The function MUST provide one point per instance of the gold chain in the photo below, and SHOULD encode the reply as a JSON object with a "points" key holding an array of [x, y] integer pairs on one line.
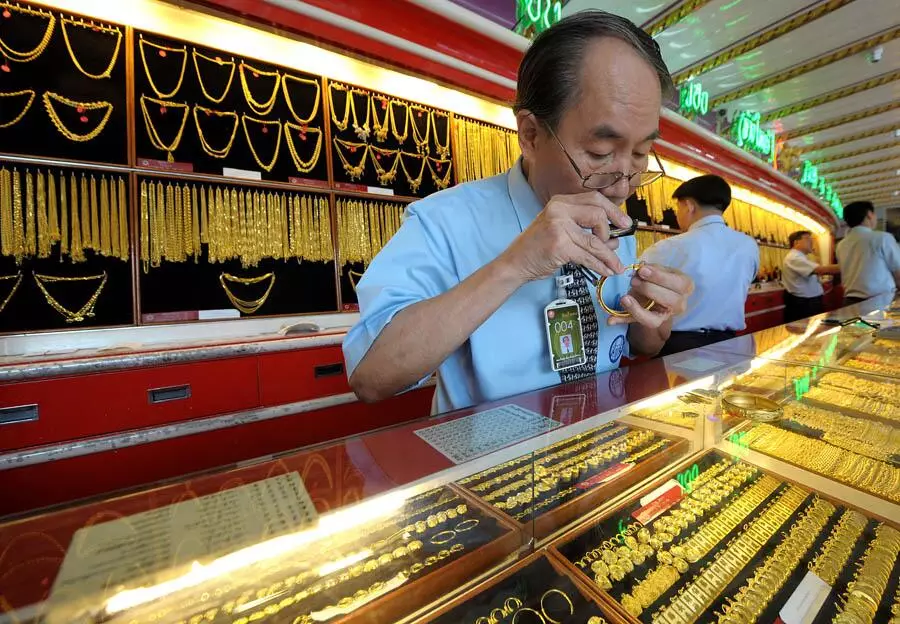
{"points": [[290, 103], [386, 177], [401, 138], [381, 128], [77, 247], [420, 140], [5, 278], [244, 305], [215, 153], [18, 218], [414, 183], [106, 73], [43, 221], [264, 123], [124, 238], [52, 208], [144, 194], [155, 139], [7, 239], [260, 108], [30, 93], [361, 131], [354, 171], [86, 311], [342, 124], [162, 51], [30, 233], [444, 182], [443, 150], [63, 217], [105, 219], [218, 61], [86, 241], [301, 165], [80, 107], [95, 217], [25, 57]]}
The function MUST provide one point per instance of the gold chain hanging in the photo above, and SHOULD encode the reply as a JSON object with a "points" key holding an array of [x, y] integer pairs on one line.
{"points": [[244, 305], [209, 149], [414, 182], [341, 125], [381, 127], [124, 237], [7, 241], [361, 131], [86, 311], [218, 61], [443, 150], [290, 104], [52, 209], [105, 220], [386, 177], [77, 247], [106, 73], [354, 171], [265, 124], [43, 220], [303, 166], [420, 139], [95, 217], [162, 51], [401, 137], [260, 108], [30, 93], [153, 135], [30, 229], [440, 182], [18, 218], [26, 57], [80, 107], [5, 278]]}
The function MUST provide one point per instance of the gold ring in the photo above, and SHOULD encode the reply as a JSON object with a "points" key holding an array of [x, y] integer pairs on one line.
{"points": [[466, 525], [516, 603], [529, 609], [434, 540], [564, 595], [617, 313]]}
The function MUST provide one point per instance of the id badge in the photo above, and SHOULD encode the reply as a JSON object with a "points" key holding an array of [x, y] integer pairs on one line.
{"points": [[563, 322]]}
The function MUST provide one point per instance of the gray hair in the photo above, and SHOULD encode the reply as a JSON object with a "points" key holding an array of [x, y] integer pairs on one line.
{"points": [[549, 75]]}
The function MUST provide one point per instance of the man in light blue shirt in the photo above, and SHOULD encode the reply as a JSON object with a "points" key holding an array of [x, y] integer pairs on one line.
{"points": [[463, 286], [869, 260], [721, 261]]}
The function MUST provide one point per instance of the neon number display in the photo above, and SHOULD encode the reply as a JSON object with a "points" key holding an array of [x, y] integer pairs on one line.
{"points": [[749, 135], [694, 100], [686, 478], [535, 16]]}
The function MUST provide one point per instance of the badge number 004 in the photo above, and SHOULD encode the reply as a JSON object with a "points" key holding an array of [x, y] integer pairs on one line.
{"points": [[563, 322]]}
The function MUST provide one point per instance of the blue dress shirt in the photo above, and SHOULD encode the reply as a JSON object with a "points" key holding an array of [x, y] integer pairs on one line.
{"points": [[443, 240], [868, 261]]}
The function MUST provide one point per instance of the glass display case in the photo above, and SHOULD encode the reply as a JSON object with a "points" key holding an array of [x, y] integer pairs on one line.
{"points": [[752, 480]]}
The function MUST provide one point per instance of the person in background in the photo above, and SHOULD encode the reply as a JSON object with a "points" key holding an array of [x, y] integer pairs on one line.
{"points": [[803, 293], [869, 260], [721, 261]]}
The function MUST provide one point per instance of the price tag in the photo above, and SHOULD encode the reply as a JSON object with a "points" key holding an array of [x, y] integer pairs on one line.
{"points": [[804, 604]]}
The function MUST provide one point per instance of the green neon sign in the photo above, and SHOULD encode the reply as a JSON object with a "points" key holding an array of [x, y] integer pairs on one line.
{"points": [[686, 479], [749, 135], [810, 178], [693, 99], [536, 16], [802, 384]]}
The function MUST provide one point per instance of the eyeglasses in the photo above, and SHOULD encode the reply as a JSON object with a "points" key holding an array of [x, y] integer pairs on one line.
{"points": [[597, 181]]}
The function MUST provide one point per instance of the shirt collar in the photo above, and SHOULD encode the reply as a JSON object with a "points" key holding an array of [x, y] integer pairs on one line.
{"points": [[524, 201], [861, 228], [706, 221]]}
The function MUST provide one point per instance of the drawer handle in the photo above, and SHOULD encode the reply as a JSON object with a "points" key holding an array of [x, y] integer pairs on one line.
{"points": [[18, 414], [172, 393], [329, 370]]}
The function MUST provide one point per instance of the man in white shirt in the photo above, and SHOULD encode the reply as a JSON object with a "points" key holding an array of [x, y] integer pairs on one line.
{"points": [[869, 260], [721, 261], [800, 275]]}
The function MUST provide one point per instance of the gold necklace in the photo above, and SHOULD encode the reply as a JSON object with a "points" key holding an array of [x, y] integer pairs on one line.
{"points": [[381, 128], [105, 240], [385, 177], [215, 153], [18, 217], [30, 93], [444, 182], [123, 220], [80, 107], [7, 237], [287, 97], [30, 234], [244, 305], [414, 183], [265, 124], [218, 61], [151, 129], [420, 140], [163, 51], [106, 73], [353, 282], [52, 208], [401, 138], [87, 310], [43, 220], [342, 124], [361, 131], [25, 57], [5, 278], [77, 247], [301, 165], [443, 150], [355, 172], [260, 108], [63, 217]]}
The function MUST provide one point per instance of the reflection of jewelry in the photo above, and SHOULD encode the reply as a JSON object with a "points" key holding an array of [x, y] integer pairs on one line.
{"points": [[354, 171], [30, 93], [79, 107], [162, 51], [260, 108], [87, 310], [215, 153], [99, 28], [342, 124], [414, 183], [443, 150], [518, 614], [617, 313], [218, 61], [386, 177], [151, 129], [244, 305], [25, 57], [290, 104], [5, 278], [420, 139], [400, 137], [444, 182], [265, 124], [380, 127], [301, 165], [565, 597]]}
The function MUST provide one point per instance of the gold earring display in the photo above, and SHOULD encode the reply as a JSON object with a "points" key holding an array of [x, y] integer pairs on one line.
{"points": [[5, 278], [290, 104], [12, 94], [162, 51], [265, 125], [106, 73], [153, 134], [386, 177], [414, 182], [420, 138], [303, 166], [80, 108], [86, 311], [209, 149], [244, 305], [616, 313], [217, 61], [26, 57], [260, 108], [443, 150], [354, 171], [440, 182]]}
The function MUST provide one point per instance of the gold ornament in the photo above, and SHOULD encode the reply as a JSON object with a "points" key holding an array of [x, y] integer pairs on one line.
{"points": [[155, 139], [30, 230], [162, 51], [401, 137], [287, 97], [7, 238], [25, 57], [244, 305], [341, 125], [439, 182], [354, 171], [265, 124], [420, 138], [381, 127], [30, 93], [443, 150], [106, 73], [215, 153], [218, 61], [86, 311], [80, 107], [5, 278], [361, 131], [414, 182], [386, 177], [260, 108], [301, 165]]}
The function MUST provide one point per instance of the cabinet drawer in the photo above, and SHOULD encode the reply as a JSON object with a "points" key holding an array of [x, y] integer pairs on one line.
{"points": [[55, 410], [301, 375]]}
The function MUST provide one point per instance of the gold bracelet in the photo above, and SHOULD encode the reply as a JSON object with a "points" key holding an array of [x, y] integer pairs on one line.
{"points": [[617, 313], [565, 597]]}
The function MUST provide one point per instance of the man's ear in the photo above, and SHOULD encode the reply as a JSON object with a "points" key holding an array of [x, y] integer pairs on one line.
{"points": [[527, 124]]}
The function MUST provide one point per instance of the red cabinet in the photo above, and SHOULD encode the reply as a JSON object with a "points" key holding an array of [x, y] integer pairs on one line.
{"points": [[300, 375]]}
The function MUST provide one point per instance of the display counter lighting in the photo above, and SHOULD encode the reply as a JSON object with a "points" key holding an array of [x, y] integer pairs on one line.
{"points": [[670, 395]]}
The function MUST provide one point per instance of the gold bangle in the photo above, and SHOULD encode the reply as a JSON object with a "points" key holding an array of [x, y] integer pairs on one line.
{"points": [[451, 535], [617, 313], [466, 525], [564, 595], [515, 619]]}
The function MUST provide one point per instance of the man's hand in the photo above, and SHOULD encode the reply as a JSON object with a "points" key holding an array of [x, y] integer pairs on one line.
{"points": [[557, 236], [669, 288]]}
